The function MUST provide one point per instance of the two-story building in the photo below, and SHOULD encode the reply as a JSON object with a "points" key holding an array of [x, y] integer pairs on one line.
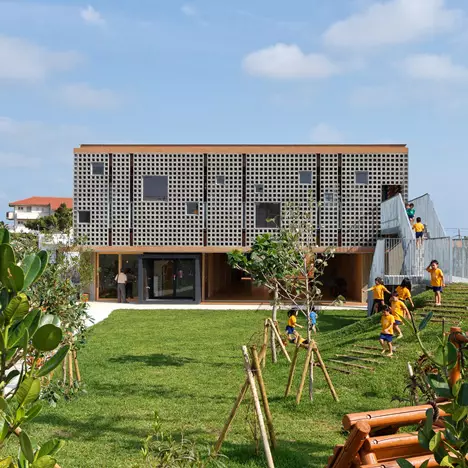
{"points": [[33, 208], [168, 214]]}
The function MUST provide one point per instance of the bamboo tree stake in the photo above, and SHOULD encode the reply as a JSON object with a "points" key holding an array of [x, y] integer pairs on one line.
{"points": [[280, 341], [265, 341], [325, 372], [305, 371], [64, 367], [70, 369], [77, 368], [226, 427], [235, 408], [258, 409], [261, 385], [292, 370], [311, 375]]}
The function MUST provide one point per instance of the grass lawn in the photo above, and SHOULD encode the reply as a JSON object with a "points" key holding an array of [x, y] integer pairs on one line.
{"points": [[188, 366]]}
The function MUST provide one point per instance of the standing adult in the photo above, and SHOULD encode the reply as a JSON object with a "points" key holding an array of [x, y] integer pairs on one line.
{"points": [[121, 279]]}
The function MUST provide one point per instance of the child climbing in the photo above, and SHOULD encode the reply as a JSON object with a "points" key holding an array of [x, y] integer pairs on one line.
{"points": [[410, 211], [437, 281], [419, 229], [379, 290], [313, 319], [399, 311], [404, 291], [292, 324], [386, 336]]}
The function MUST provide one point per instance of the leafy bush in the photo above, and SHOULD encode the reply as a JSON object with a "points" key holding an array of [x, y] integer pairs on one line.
{"points": [[28, 337]]}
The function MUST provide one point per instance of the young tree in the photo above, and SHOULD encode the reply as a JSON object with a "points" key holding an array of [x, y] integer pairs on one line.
{"points": [[60, 221], [288, 261]]}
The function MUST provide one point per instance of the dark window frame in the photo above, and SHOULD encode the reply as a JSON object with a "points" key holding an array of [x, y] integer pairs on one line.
{"points": [[88, 217], [259, 186], [275, 215], [223, 177], [308, 174], [155, 197], [100, 165], [356, 176], [197, 208]]}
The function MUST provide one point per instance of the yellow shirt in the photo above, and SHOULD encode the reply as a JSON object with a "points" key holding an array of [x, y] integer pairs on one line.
{"points": [[379, 290], [387, 322], [403, 293], [437, 277], [292, 321], [398, 310], [418, 227]]}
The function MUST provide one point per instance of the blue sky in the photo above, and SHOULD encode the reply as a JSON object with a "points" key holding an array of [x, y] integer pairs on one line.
{"points": [[262, 71]]}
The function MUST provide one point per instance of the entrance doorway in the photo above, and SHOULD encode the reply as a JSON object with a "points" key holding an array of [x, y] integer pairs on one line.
{"points": [[167, 278]]}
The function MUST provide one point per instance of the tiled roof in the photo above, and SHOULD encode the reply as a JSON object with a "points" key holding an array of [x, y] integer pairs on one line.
{"points": [[54, 202]]}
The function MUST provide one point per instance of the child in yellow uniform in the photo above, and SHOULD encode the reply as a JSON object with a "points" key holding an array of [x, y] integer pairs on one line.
{"points": [[386, 337], [419, 228], [379, 291], [437, 281], [404, 291], [292, 324], [399, 310]]}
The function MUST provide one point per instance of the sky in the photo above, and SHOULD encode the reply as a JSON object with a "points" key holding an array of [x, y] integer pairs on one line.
{"points": [[243, 71]]}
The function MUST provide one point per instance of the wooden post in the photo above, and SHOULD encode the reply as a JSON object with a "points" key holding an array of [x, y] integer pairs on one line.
{"points": [[265, 340], [325, 372], [292, 370], [311, 375], [258, 409], [261, 385], [352, 446], [77, 368], [70, 369], [280, 341], [226, 427], [64, 368], [304, 375]]}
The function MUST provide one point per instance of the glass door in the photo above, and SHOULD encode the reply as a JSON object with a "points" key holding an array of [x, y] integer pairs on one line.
{"points": [[168, 279]]}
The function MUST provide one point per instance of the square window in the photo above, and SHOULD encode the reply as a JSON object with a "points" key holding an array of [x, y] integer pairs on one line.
{"points": [[155, 188], [362, 177], [267, 215], [220, 180], [97, 168], [84, 216], [328, 197], [192, 208], [305, 177], [259, 188]]}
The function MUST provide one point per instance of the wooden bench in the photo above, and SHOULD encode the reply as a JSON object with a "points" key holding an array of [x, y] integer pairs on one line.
{"points": [[374, 440]]}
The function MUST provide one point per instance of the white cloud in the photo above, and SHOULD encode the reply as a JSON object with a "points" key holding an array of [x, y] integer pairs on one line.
{"points": [[325, 134], [393, 22], [25, 61], [283, 61], [92, 16], [83, 96], [434, 68], [189, 10]]}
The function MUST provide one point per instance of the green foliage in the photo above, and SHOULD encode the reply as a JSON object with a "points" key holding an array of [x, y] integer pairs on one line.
{"points": [[163, 451], [23, 341], [449, 446], [60, 221]]}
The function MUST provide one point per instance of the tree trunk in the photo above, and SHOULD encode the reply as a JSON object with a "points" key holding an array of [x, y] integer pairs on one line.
{"points": [[274, 319]]}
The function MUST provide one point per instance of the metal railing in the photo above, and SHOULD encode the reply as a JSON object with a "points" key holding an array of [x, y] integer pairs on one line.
{"points": [[394, 220], [425, 209]]}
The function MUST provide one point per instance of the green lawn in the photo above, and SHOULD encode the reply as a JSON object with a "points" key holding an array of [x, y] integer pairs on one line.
{"points": [[188, 366]]}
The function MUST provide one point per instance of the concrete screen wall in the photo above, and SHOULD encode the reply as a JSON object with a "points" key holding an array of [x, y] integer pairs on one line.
{"points": [[225, 184]]}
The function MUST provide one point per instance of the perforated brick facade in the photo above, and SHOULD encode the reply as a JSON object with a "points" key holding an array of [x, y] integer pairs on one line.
{"points": [[213, 193]]}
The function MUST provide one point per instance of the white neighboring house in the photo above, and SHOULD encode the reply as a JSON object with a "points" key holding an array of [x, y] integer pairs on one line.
{"points": [[33, 208]]}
